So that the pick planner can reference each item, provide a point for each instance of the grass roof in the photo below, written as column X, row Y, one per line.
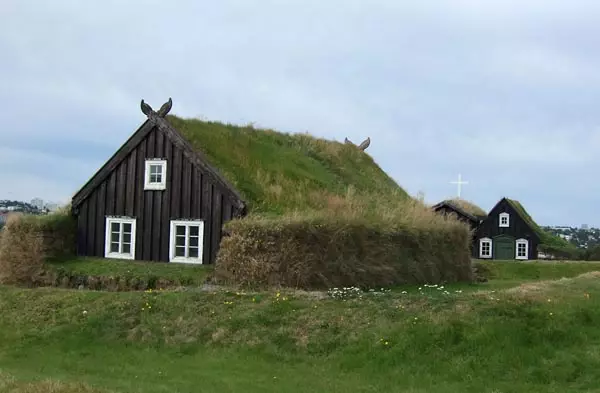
column 467, row 206
column 279, row 172
column 546, row 238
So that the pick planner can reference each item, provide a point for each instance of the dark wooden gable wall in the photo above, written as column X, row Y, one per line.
column 190, row 193
column 518, row 228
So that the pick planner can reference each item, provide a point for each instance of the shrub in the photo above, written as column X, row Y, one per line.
column 324, row 251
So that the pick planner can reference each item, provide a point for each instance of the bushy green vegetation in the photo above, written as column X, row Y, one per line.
column 537, row 337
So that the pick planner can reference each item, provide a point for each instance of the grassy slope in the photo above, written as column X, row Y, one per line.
column 277, row 172
column 190, row 275
column 541, row 338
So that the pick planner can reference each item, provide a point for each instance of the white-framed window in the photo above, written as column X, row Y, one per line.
column 485, row 247
column 120, row 238
column 522, row 249
column 155, row 177
column 186, row 241
column 504, row 220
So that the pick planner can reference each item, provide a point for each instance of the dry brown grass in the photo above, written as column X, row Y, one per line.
column 468, row 206
column 10, row 385
column 21, row 251
column 341, row 246
column 26, row 241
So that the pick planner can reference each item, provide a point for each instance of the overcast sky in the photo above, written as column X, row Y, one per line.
column 505, row 92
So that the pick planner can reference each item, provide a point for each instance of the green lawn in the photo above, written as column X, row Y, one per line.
column 179, row 273
column 535, row 338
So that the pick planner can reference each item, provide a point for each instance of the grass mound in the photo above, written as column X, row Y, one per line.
column 27, row 241
column 335, row 251
column 119, row 275
column 21, row 251
column 279, row 172
column 541, row 338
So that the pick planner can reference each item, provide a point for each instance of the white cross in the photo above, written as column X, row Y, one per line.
column 459, row 183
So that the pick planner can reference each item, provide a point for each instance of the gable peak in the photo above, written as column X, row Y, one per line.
column 162, row 112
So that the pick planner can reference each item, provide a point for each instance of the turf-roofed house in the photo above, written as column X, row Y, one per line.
column 166, row 193
column 507, row 233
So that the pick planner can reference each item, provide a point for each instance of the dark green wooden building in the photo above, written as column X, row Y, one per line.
column 506, row 233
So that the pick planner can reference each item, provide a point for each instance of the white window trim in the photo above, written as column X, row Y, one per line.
column 522, row 241
column 121, row 220
column 502, row 215
column 481, row 242
column 172, row 257
column 155, row 186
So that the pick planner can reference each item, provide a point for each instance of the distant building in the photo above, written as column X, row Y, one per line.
column 38, row 203
column 585, row 226
column 51, row 207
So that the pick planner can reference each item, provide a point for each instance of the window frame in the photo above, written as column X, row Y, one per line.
column 481, row 243
column 519, row 242
column 501, row 216
column 155, row 185
column 172, row 238
column 109, row 220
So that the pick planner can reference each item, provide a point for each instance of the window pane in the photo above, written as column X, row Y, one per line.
column 194, row 231
column 193, row 252
column 115, row 227
column 114, row 237
column 193, row 242
column 180, row 241
column 179, row 251
column 155, row 169
column 127, row 228
column 155, row 178
column 180, row 230
column 114, row 247
column 127, row 238
column 126, row 248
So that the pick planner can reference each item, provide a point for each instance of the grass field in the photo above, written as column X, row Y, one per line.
column 186, row 274
column 540, row 336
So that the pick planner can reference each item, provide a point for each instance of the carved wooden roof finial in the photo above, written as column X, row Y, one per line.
column 363, row 146
column 162, row 112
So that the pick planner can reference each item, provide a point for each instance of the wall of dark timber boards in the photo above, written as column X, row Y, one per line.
column 189, row 194
column 518, row 228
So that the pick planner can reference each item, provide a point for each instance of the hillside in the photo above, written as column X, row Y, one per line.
column 538, row 337
column 279, row 172
column 580, row 237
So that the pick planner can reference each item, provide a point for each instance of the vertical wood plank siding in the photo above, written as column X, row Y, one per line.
column 190, row 194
